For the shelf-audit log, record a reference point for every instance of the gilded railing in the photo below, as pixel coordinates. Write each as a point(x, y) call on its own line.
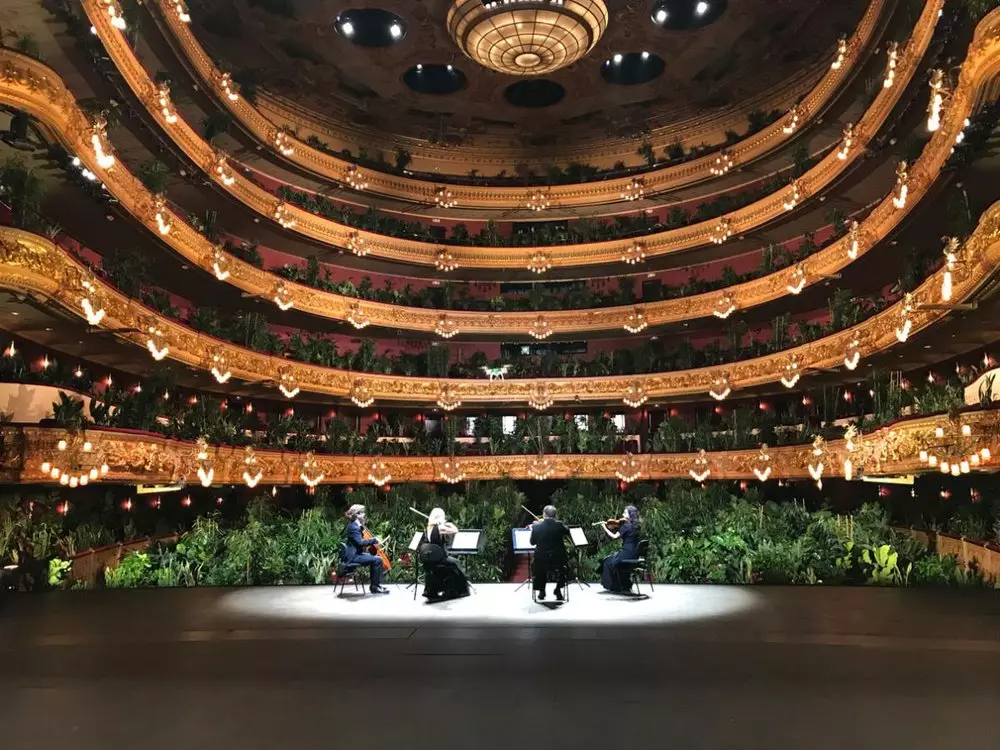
point(143, 458)
point(33, 264)
point(423, 253)
point(669, 178)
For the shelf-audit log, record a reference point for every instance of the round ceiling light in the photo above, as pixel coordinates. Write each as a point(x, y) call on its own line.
point(370, 27)
point(680, 15)
point(526, 37)
point(534, 94)
point(632, 67)
point(434, 79)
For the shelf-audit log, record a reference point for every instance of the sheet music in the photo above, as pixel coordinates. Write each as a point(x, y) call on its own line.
point(466, 541)
point(579, 537)
point(522, 540)
point(415, 541)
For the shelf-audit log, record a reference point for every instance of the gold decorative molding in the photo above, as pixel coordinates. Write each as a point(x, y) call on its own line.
point(329, 166)
point(135, 458)
point(31, 263)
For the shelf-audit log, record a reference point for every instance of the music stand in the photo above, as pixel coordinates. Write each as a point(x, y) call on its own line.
point(465, 542)
point(413, 547)
point(521, 539)
point(579, 538)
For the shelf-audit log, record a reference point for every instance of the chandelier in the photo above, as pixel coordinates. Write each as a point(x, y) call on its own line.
point(355, 178)
point(540, 329)
point(538, 201)
point(725, 306)
point(722, 164)
point(635, 395)
point(76, 463)
point(358, 317)
point(220, 366)
point(444, 198)
point(636, 321)
point(539, 263)
point(357, 244)
point(762, 469)
point(444, 260)
point(954, 450)
point(541, 399)
point(220, 264)
point(379, 474)
point(361, 395)
point(310, 474)
point(526, 37)
point(251, 472)
point(447, 399)
point(628, 469)
point(634, 254)
point(452, 471)
point(700, 471)
point(540, 467)
point(847, 142)
point(446, 327)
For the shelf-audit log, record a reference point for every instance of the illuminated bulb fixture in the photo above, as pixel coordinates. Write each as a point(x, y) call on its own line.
point(538, 200)
point(282, 297)
point(283, 215)
point(722, 164)
point(853, 354)
point(75, 463)
point(447, 399)
point(853, 240)
point(797, 282)
point(541, 399)
point(961, 134)
point(283, 142)
point(721, 388)
point(355, 178)
point(357, 244)
point(794, 195)
point(849, 435)
point(725, 306)
point(793, 120)
point(906, 324)
point(90, 302)
point(444, 198)
point(902, 185)
point(444, 260)
point(791, 373)
point(937, 100)
point(358, 317)
point(951, 250)
point(635, 395)
point(166, 107)
point(445, 327)
point(539, 263)
point(163, 225)
point(222, 170)
point(180, 8)
point(378, 474)
point(310, 474)
point(960, 454)
point(10, 351)
point(541, 468)
point(206, 472)
point(540, 329)
point(838, 61)
point(155, 343)
point(220, 263)
point(890, 70)
point(634, 254)
point(228, 87)
point(220, 367)
point(628, 469)
point(762, 469)
point(114, 13)
point(361, 396)
point(452, 471)
point(815, 466)
point(634, 189)
point(287, 383)
point(526, 38)
point(251, 473)
point(723, 231)
point(700, 471)
point(847, 142)
point(636, 321)
point(97, 134)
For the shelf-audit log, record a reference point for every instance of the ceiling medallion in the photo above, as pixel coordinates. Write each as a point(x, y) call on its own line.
point(527, 37)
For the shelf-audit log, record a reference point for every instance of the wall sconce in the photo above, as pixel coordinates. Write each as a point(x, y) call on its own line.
point(251, 473)
point(701, 470)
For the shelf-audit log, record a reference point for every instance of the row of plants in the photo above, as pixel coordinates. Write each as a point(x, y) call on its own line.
point(695, 535)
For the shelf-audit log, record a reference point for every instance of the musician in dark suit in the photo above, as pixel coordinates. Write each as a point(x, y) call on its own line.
point(549, 537)
point(359, 549)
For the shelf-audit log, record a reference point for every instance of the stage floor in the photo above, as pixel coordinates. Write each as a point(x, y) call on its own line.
point(711, 667)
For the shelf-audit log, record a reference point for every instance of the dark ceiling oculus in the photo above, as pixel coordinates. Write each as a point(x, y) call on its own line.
point(434, 79)
point(370, 27)
point(680, 15)
point(629, 68)
point(534, 93)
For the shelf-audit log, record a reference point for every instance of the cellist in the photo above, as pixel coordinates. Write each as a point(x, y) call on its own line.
point(360, 549)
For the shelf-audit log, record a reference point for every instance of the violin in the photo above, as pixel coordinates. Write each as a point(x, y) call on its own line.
point(377, 548)
point(613, 524)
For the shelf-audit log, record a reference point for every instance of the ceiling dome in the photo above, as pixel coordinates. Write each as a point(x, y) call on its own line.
point(527, 37)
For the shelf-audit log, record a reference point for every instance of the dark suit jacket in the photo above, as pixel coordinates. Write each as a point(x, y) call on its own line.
point(355, 543)
point(549, 537)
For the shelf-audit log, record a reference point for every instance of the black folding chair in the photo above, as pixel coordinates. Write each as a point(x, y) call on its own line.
point(639, 568)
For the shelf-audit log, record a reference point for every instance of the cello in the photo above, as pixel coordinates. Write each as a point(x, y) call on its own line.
point(366, 534)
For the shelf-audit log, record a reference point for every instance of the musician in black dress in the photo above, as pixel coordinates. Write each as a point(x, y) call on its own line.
point(616, 574)
point(549, 537)
point(444, 578)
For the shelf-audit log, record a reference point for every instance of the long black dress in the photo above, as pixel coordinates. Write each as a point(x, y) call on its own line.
point(614, 573)
point(443, 576)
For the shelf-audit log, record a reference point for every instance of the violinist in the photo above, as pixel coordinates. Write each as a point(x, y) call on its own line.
point(549, 537)
point(360, 549)
point(444, 578)
point(616, 569)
